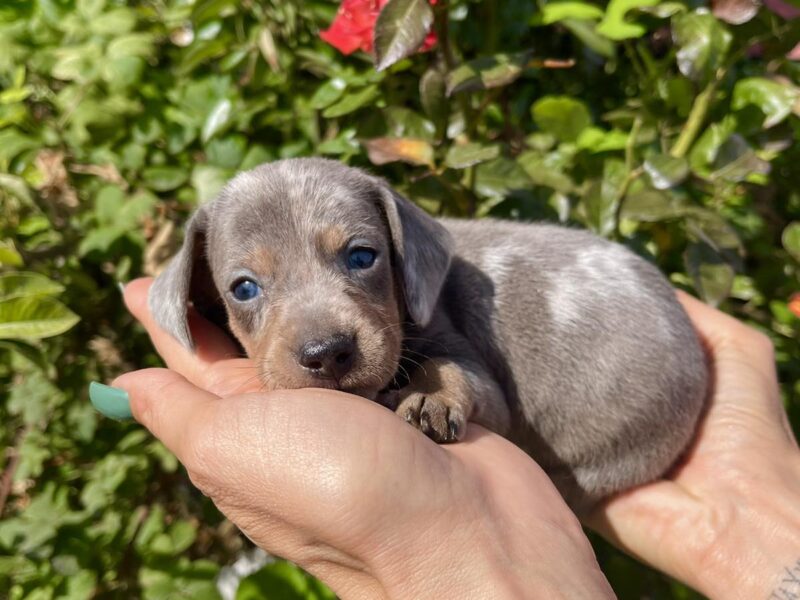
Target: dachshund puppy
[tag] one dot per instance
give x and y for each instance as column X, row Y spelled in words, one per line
column 569, row 345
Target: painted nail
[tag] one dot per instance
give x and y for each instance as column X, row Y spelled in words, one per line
column 110, row 401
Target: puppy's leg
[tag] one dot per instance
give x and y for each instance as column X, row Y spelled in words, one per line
column 445, row 393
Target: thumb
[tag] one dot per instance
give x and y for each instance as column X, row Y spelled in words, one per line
column 168, row 405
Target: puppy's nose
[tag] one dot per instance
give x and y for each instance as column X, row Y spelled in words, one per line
column 332, row 357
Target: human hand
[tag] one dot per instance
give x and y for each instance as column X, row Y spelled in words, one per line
column 726, row 521
column 345, row 489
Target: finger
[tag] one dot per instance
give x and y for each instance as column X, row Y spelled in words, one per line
column 211, row 343
column 642, row 523
column 168, row 405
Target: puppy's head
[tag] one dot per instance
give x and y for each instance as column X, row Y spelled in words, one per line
column 318, row 265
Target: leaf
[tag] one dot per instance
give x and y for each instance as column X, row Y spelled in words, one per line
column 562, row 116
column 432, row 95
column 705, row 150
column 487, row 72
column 282, row 581
column 164, row 179
column 328, row 93
column 412, row 151
column 666, row 171
column 34, row 317
column 615, row 26
column 703, row 44
column 774, row 99
column 586, row 32
column 21, row 285
column 466, row 155
column 8, row 255
column 16, row 186
column 712, row 276
column 217, row 120
column 735, row 12
column 553, row 12
column 351, row 102
column 736, row 161
column 595, row 139
column 400, row 30
column 791, row 239
column 601, row 200
column 545, row 170
column 651, row 206
column 499, row 177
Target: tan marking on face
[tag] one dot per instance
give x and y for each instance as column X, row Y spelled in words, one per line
column 260, row 261
column 331, row 240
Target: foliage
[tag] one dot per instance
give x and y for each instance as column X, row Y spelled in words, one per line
column 662, row 125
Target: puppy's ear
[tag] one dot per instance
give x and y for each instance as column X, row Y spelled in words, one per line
column 186, row 278
column 423, row 249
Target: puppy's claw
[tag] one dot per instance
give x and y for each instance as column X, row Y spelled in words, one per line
column 432, row 416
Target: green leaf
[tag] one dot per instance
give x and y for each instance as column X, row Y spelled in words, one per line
column 705, row 150
column 16, row 186
column 546, row 170
column 9, row 256
column 601, row 200
column 217, row 120
column 775, row 100
column 21, row 285
column 400, row 30
column 666, row 171
column 791, row 239
column 432, row 95
column 651, row 206
column 281, row 581
column 34, row 317
column 487, row 72
column 595, row 139
column 712, row 276
column 164, row 179
column 562, row 116
column 586, row 32
column 553, row 12
column 498, row 177
column 703, row 44
column 385, row 150
column 328, row 93
column 351, row 102
column 615, row 25
column 466, row 155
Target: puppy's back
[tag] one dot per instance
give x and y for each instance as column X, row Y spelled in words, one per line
column 591, row 346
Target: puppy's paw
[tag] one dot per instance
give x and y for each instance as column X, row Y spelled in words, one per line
column 438, row 415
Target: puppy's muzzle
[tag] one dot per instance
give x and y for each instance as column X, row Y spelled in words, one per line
column 330, row 358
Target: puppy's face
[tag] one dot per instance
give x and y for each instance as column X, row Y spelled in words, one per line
column 317, row 265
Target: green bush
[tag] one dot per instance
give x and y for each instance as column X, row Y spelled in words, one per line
column 662, row 125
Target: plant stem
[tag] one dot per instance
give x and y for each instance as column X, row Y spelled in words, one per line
column 697, row 117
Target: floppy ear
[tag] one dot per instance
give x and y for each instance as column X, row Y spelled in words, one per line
column 186, row 278
column 423, row 248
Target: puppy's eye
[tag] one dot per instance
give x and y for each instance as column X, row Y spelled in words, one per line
column 245, row 289
column 361, row 258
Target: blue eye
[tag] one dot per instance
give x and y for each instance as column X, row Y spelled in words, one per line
column 245, row 289
column 361, row 258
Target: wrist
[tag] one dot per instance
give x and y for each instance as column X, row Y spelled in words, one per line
column 757, row 552
column 480, row 551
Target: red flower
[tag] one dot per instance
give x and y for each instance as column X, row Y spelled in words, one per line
column 794, row 304
column 354, row 23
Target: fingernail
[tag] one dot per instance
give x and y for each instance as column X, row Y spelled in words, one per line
column 110, row 401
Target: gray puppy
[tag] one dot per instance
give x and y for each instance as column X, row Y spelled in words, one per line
column 571, row 346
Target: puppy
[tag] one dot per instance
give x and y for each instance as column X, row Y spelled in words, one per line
column 571, row 346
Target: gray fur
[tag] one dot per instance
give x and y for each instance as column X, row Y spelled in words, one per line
column 571, row 346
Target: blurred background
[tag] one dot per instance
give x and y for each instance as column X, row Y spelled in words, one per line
column 671, row 127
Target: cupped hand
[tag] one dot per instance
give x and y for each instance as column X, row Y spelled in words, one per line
column 727, row 519
column 347, row 490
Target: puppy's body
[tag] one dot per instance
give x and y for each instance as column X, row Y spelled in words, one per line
column 599, row 366
column 571, row 346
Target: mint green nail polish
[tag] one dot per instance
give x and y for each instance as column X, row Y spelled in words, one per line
column 110, row 401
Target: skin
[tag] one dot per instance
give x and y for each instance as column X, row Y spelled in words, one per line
column 342, row 487
column 385, row 507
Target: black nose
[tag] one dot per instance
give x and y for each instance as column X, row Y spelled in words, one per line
column 332, row 357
